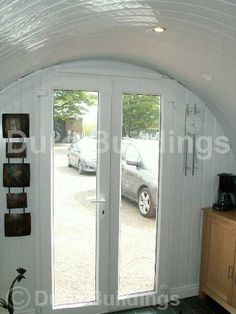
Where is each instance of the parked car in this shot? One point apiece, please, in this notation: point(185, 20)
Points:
point(139, 162)
point(139, 182)
point(82, 154)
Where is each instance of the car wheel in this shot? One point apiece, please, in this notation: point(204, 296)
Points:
point(80, 167)
point(68, 162)
point(145, 203)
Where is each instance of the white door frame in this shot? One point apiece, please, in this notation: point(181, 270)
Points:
point(159, 86)
point(103, 86)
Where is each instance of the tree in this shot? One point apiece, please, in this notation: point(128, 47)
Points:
point(140, 113)
point(89, 129)
point(71, 104)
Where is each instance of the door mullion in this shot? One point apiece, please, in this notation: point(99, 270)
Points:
point(116, 122)
point(103, 193)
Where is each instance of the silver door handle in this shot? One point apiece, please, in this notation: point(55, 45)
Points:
point(98, 201)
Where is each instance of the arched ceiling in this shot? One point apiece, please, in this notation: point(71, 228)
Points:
point(198, 49)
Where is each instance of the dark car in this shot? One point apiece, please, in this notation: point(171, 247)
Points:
point(82, 154)
point(140, 160)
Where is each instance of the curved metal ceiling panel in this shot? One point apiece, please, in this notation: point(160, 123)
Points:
point(198, 49)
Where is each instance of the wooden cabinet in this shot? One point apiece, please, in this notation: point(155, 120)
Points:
point(234, 287)
point(218, 267)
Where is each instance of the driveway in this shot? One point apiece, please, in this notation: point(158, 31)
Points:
point(75, 234)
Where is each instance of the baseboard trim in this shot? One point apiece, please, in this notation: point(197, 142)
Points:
point(30, 311)
point(185, 291)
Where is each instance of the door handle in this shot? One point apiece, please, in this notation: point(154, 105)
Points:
point(231, 272)
point(98, 201)
point(102, 210)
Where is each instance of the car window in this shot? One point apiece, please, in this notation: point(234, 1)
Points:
point(132, 154)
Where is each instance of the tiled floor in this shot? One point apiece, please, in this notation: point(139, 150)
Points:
point(187, 306)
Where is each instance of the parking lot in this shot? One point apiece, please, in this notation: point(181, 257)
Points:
point(75, 234)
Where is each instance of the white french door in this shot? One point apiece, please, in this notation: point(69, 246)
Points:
point(91, 222)
point(133, 238)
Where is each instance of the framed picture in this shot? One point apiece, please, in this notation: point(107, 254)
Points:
point(17, 225)
point(18, 123)
point(16, 200)
point(16, 175)
point(16, 150)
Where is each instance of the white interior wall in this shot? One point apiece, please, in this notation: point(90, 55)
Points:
point(19, 252)
point(186, 194)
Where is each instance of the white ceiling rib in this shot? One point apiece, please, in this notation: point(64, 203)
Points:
point(200, 42)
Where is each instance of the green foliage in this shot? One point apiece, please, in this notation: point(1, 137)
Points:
point(71, 104)
point(140, 113)
point(89, 129)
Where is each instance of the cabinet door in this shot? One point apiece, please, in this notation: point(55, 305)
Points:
point(220, 277)
point(234, 287)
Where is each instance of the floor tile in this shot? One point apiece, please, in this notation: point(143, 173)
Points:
point(158, 310)
point(194, 303)
point(216, 308)
point(182, 308)
point(203, 311)
point(147, 310)
point(187, 306)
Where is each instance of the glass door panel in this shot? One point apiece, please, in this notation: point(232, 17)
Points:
point(139, 193)
point(75, 192)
